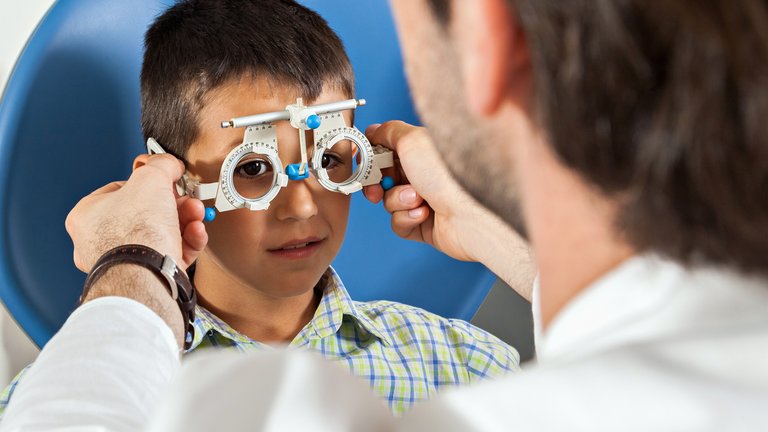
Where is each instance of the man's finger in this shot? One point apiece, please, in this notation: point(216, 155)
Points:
point(374, 193)
point(401, 198)
point(190, 210)
point(194, 239)
point(372, 128)
point(166, 164)
point(195, 236)
point(389, 134)
point(407, 223)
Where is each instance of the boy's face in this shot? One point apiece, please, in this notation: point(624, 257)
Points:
point(259, 248)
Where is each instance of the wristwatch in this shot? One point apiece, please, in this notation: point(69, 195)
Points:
point(180, 287)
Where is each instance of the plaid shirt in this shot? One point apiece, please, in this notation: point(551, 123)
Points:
point(406, 354)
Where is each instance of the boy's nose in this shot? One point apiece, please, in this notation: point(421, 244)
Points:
point(295, 201)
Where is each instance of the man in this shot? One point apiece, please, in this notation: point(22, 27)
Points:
point(627, 141)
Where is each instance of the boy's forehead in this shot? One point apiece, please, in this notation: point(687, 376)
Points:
point(246, 96)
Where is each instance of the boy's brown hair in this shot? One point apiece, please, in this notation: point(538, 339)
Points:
point(198, 45)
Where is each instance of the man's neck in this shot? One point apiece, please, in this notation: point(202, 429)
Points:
point(571, 228)
point(261, 317)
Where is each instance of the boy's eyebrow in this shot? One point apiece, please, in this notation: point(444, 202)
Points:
point(239, 141)
point(235, 143)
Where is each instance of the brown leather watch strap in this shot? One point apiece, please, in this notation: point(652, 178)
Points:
point(179, 285)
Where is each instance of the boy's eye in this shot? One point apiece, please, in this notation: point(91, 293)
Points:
point(253, 177)
point(252, 168)
point(330, 160)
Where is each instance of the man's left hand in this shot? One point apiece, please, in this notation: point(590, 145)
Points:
point(142, 210)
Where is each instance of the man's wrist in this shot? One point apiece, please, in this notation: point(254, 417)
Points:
point(142, 285)
point(164, 267)
point(499, 247)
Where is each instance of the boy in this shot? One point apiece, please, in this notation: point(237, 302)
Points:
point(264, 277)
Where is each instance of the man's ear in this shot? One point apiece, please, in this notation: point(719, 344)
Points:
point(492, 52)
point(140, 161)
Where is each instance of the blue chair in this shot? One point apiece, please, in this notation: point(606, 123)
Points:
point(69, 123)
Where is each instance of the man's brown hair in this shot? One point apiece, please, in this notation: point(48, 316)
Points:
point(198, 45)
point(663, 106)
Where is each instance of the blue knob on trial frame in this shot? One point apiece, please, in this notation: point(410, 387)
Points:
point(210, 214)
point(313, 121)
point(387, 183)
point(294, 172)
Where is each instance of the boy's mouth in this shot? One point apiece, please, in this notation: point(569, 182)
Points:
point(296, 246)
point(297, 249)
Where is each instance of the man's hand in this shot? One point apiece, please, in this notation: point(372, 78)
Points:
point(142, 210)
point(421, 176)
point(429, 206)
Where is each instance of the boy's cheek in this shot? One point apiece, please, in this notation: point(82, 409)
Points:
point(338, 206)
point(237, 227)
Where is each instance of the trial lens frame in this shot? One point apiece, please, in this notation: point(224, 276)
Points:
point(260, 138)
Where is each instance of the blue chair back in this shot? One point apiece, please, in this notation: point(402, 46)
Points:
point(69, 123)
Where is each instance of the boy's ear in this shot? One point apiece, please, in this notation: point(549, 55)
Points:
point(140, 161)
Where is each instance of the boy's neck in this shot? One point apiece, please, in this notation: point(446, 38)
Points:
point(264, 318)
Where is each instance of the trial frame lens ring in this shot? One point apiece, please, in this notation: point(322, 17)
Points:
point(231, 163)
point(365, 151)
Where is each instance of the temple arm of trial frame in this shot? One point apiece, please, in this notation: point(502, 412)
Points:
point(201, 191)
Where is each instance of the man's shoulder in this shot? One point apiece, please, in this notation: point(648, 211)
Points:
point(653, 386)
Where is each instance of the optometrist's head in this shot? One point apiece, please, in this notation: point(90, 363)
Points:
point(612, 92)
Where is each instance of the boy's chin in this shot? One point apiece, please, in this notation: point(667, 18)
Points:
point(292, 283)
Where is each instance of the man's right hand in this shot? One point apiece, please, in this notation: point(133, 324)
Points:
point(421, 176)
point(142, 210)
point(429, 206)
